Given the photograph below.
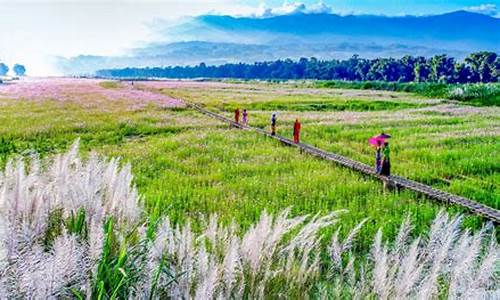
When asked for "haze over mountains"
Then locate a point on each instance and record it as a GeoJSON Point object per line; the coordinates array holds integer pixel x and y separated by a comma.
{"type": "Point", "coordinates": [217, 39]}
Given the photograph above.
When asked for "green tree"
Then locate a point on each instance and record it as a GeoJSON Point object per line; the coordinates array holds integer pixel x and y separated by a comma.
{"type": "Point", "coordinates": [462, 73]}
{"type": "Point", "coordinates": [407, 68]}
{"type": "Point", "coordinates": [312, 69]}
{"type": "Point", "coordinates": [20, 70]}
{"type": "Point", "coordinates": [442, 68]}
{"type": "Point", "coordinates": [497, 70]}
{"type": "Point", "coordinates": [421, 69]}
{"type": "Point", "coordinates": [360, 67]}
{"type": "Point", "coordinates": [387, 69]}
{"type": "Point", "coordinates": [376, 71]}
{"type": "Point", "coordinates": [4, 69]}
{"type": "Point", "coordinates": [482, 65]}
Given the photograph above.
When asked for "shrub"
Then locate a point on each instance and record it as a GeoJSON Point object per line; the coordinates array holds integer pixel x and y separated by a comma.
{"type": "Point", "coordinates": [488, 94]}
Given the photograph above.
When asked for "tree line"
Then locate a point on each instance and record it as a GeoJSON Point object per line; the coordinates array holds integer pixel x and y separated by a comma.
{"type": "Point", "coordinates": [18, 69]}
{"type": "Point", "coordinates": [476, 67]}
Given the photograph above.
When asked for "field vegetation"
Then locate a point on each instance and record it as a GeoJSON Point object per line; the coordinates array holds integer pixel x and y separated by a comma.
{"type": "Point", "coordinates": [477, 67]}
{"type": "Point", "coordinates": [196, 209]}
{"type": "Point", "coordinates": [458, 141]}
{"type": "Point", "coordinates": [73, 228]}
{"type": "Point", "coordinates": [479, 94]}
{"type": "Point", "coordinates": [475, 80]}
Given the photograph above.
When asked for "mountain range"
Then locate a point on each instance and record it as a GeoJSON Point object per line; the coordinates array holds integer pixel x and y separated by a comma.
{"type": "Point", "coordinates": [215, 39]}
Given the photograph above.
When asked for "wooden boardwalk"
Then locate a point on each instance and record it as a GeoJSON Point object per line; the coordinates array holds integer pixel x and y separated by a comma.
{"type": "Point", "coordinates": [395, 181]}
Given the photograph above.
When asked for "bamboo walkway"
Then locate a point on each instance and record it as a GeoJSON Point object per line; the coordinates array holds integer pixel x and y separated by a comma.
{"type": "Point", "coordinates": [393, 180]}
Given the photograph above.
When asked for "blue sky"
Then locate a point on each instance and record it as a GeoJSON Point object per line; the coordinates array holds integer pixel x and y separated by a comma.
{"type": "Point", "coordinates": [34, 31]}
{"type": "Point", "coordinates": [391, 7]}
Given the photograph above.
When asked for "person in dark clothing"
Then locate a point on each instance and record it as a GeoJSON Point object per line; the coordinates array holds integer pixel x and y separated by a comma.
{"type": "Point", "coordinates": [296, 131]}
{"type": "Point", "coordinates": [273, 124]}
{"type": "Point", "coordinates": [386, 160]}
{"type": "Point", "coordinates": [378, 157]}
{"type": "Point", "coordinates": [245, 117]}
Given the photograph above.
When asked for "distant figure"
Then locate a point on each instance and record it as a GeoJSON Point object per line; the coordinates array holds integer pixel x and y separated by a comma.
{"type": "Point", "coordinates": [273, 124]}
{"type": "Point", "coordinates": [296, 131]}
{"type": "Point", "coordinates": [386, 160]}
{"type": "Point", "coordinates": [378, 157]}
{"type": "Point", "coordinates": [245, 117]}
{"type": "Point", "coordinates": [237, 115]}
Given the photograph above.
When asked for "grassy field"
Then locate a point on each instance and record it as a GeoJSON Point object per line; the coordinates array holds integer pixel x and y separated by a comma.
{"type": "Point", "coordinates": [188, 163]}
{"type": "Point", "coordinates": [442, 143]}
{"type": "Point", "coordinates": [478, 94]}
{"type": "Point", "coordinates": [188, 166]}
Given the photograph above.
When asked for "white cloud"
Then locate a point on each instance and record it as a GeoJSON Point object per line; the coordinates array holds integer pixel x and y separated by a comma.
{"type": "Point", "coordinates": [292, 8]}
{"type": "Point", "coordinates": [489, 9]}
{"type": "Point", "coordinates": [321, 8]}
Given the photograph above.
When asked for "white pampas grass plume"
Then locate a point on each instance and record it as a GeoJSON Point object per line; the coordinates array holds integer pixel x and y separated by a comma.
{"type": "Point", "coordinates": [38, 260]}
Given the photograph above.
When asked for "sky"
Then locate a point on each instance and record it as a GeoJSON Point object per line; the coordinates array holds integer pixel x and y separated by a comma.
{"type": "Point", "coordinates": [33, 32]}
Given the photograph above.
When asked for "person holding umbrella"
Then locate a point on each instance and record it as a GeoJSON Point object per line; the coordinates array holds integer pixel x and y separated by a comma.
{"type": "Point", "coordinates": [382, 154]}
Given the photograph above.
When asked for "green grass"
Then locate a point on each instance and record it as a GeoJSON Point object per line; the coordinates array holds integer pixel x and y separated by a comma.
{"type": "Point", "coordinates": [188, 166]}
{"type": "Point", "coordinates": [476, 93]}
{"type": "Point", "coordinates": [452, 147]}
{"type": "Point", "coordinates": [239, 174]}
{"type": "Point", "coordinates": [50, 126]}
{"type": "Point", "coordinates": [322, 103]}
{"type": "Point", "coordinates": [110, 84]}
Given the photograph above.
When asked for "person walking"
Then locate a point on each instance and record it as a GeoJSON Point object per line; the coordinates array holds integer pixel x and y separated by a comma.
{"type": "Point", "coordinates": [237, 115]}
{"type": "Point", "coordinates": [386, 160]}
{"type": "Point", "coordinates": [296, 131]}
{"type": "Point", "coordinates": [245, 117]}
{"type": "Point", "coordinates": [378, 157]}
{"type": "Point", "coordinates": [273, 124]}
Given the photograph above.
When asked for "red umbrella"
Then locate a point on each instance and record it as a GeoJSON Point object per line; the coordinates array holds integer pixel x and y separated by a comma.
{"type": "Point", "coordinates": [375, 140]}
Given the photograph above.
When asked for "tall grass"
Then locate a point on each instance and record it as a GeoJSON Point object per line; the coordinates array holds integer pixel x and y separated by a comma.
{"type": "Point", "coordinates": [473, 93]}
{"type": "Point", "coordinates": [456, 140]}
{"type": "Point", "coordinates": [76, 228]}
{"type": "Point", "coordinates": [51, 218]}
{"type": "Point", "coordinates": [488, 94]}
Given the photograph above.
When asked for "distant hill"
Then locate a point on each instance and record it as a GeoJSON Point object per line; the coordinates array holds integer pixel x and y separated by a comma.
{"type": "Point", "coordinates": [225, 39]}
{"type": "Point", "coordinates": [476, 31]}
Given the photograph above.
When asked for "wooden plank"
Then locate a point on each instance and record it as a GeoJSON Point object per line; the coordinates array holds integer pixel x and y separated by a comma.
{"type": "Point", "coordinates": [398, 181]}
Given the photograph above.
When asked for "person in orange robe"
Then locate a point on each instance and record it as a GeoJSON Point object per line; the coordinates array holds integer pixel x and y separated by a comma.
{"type": "Point", "coordinates": [296, 131]}
{"type": "Point", "coordinates": [237, 115]}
